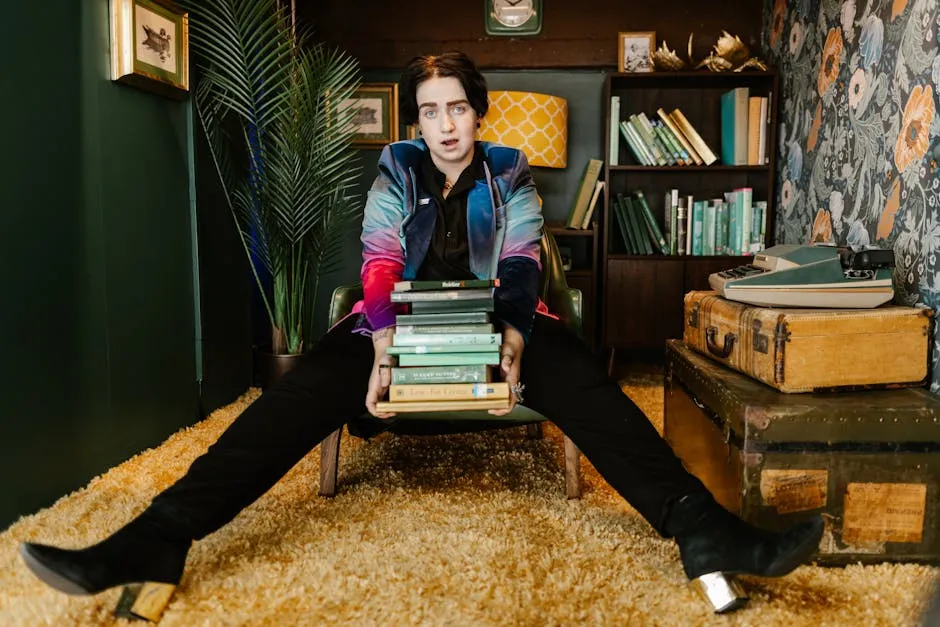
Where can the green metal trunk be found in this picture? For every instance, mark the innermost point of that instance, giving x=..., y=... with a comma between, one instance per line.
x=868, y=461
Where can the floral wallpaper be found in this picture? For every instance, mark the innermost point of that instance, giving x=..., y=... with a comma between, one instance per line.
x=857, y=160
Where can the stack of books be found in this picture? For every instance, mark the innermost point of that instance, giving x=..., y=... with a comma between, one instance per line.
x=446, y=348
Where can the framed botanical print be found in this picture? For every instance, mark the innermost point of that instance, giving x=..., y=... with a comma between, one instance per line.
x=633, y=50
x=150, y=45
x=376, y=115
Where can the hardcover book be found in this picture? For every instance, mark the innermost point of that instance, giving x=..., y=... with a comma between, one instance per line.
x=423, y=286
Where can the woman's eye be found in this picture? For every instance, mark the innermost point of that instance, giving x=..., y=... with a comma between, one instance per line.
x=459, y=109
x=429, y=113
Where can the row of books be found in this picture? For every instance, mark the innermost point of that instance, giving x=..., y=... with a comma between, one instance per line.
x=732, y=224
x=445, y=347
x=659, y=140
x=745, y=129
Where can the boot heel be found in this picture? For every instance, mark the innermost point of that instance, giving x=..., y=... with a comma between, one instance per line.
x=144, y=601
x=722, y=592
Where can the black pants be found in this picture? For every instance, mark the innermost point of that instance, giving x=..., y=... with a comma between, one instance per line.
x=328, y=388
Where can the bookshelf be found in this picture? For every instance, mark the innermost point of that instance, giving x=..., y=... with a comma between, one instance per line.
x=641, y=296
x=582, y=245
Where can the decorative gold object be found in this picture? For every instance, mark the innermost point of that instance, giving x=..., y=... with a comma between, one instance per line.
x=664, y=59
x=728, y=53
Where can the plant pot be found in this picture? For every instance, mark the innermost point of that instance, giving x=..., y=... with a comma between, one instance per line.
x=269, y=367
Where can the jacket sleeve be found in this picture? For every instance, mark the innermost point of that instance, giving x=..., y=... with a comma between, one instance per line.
x=518, y=270
x=382, y=255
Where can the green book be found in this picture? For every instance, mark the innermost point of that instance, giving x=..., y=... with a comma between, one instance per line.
x=439, y=348
x=656, y=233
x=441, y=374
x=448, y=359
x=458, y=317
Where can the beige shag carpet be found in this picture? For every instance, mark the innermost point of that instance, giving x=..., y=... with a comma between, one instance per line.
x=436, y=530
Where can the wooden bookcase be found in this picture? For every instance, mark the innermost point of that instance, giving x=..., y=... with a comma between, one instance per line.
x=641, y=299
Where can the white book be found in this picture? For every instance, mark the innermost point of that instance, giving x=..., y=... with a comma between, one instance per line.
x=614, y=156
x=762, y=137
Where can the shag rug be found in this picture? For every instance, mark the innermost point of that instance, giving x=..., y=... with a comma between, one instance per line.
x=431, y=530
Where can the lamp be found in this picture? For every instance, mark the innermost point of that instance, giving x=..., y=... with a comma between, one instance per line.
x=536, y=124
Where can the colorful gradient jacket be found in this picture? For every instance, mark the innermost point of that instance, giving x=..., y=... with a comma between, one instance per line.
x=504, y=225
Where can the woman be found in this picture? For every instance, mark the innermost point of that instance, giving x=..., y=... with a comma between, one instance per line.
x=442, y=207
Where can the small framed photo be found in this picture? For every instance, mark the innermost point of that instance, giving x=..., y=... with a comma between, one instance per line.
x=150, y=45
x=634, y=50
x=376, y=116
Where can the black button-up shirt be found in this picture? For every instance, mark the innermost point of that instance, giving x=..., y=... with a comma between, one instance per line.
x=448, y=255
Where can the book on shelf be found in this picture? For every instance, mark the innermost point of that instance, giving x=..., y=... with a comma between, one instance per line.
x=734, y=110
x=582, y=197
x=449, y=391
x=753, y=130
x=636, y=224
x=670, y=123
x=656, y=234
x=634, y=144
x=448, y=405
x=598, y=190
x=424, y=286
x=762, y=155
x=613, y=158
x=695, y=140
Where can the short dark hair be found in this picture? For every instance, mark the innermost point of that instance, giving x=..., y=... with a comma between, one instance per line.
x=449, y=64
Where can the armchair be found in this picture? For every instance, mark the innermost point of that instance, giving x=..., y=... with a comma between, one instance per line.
x=562, y=300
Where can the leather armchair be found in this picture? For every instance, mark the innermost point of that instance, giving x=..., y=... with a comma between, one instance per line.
x=563, y=301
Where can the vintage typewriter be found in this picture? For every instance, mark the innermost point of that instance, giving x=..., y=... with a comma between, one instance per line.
x=810, y=276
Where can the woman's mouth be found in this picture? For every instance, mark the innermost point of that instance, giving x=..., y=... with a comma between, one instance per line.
x=449, y=143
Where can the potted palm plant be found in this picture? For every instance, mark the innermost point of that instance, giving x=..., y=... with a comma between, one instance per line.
x=269, y=100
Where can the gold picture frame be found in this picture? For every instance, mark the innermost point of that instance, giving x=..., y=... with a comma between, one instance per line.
x=150, y=45
x=633, y=51
x=376, y=120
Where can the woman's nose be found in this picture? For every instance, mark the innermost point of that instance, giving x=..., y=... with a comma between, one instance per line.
x=447, y=122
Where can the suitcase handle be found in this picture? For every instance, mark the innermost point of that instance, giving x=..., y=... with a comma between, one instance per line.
x=711, y=334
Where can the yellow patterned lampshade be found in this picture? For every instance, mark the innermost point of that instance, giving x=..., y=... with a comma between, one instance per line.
x=537, y=124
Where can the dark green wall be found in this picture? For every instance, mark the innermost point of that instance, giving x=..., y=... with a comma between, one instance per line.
x=97, y=264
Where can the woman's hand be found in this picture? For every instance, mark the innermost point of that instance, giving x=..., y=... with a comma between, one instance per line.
x=510, y=365
x=381, y=376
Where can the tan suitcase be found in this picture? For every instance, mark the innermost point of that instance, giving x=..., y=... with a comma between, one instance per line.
x=806, y=350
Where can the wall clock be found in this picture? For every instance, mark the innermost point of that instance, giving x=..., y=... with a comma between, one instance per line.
x=513, y=18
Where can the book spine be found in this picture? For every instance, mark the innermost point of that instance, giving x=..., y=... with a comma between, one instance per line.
x=452, y=306
x=423, y=286
x=412, y=329
x=632, y=144
x=449, y=359
x=683, y=124
x=654, y=226
x=441, y=374
x=671, y=125
x=437, y=295
x=438, y=348
x=448, y=391
x=449, y=405
x=583, y=198
x=614, y=157
x=429, y=339
x=443, y=318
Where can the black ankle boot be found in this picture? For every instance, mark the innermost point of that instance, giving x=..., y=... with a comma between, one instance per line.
x=715, y=545
x=143, y=553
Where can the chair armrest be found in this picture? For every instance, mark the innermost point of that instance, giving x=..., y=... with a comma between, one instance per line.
x=342, y=301
x=566, y=302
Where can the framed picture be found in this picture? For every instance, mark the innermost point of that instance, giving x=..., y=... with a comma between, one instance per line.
x=150, y=45
x=634, y=51
x=376, y=116
x=411, y=132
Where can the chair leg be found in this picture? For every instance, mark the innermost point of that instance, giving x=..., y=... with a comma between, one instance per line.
x=572, y=469
x=329, y=462
x=533, y=431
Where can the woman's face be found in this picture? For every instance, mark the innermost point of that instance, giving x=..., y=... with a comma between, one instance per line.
x=448, y=123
